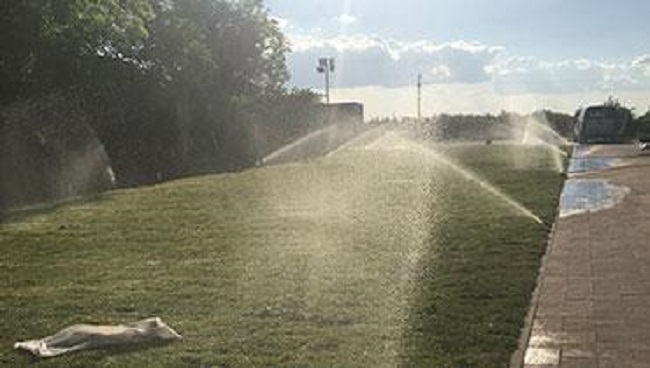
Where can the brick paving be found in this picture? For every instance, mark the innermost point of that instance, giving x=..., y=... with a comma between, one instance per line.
x=592, y=304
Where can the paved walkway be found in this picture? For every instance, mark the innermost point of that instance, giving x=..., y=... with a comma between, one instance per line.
x=592, y=304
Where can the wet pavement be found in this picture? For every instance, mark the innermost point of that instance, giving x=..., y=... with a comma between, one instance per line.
x=588, y=164
x=592, y=304
x=588, y=195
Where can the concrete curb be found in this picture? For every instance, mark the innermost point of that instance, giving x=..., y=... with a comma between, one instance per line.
x=518, y=356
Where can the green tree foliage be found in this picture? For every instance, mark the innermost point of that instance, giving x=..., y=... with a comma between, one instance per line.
x=49, y=44
x=217, y=62
x=171, y=87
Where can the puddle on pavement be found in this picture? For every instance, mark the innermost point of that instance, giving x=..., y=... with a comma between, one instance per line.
x=586, y=158
x=582, y=196
x=586, y=164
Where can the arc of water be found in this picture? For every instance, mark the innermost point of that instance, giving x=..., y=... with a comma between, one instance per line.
x=364, y=137
x=547, y=129
x=556, y=152
x=297, y=142
x=468, y=175
x=486, y=186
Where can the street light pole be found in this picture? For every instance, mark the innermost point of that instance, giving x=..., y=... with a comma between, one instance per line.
x=419, y=97
x=326, y=66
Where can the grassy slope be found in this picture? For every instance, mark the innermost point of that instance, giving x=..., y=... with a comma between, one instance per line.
x=364, y=258
x=476, y=287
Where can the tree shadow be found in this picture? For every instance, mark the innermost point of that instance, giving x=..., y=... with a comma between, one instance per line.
x=23, y=213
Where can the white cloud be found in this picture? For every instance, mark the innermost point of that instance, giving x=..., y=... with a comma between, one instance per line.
x=641, y=60
x=440, y=71
x=642, y=65
x=583, y=64
x=460, y=76
x=513, y=75
x=372, y=60
x=345, y=19
x=477, y=98
x=306, y=43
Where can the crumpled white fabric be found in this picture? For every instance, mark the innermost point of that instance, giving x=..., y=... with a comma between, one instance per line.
x=85, y=337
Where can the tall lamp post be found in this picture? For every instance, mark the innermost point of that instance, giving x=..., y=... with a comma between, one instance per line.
x=419, y=97
x=326, y=66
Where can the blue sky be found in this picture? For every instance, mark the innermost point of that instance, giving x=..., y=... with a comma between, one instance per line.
x=540, y=51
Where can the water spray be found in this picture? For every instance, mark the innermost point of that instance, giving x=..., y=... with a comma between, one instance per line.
x=413, y=146
x=530, y=137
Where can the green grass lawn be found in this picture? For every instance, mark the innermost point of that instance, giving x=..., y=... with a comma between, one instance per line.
x=370, y=257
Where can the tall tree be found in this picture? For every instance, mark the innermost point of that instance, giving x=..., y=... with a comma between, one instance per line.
x=171, y=87
x=47, y=44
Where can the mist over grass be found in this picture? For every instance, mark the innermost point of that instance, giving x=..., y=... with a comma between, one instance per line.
x=475, y=289
x=368, y=257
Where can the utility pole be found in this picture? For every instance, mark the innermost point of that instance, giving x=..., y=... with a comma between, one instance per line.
x=419, y=96
x=326, y=67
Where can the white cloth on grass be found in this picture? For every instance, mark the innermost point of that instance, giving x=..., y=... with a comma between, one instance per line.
x=85, y=337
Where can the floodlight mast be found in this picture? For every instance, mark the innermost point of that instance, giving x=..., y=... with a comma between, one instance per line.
x=326, y=66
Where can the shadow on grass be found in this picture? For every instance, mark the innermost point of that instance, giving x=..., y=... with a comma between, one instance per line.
x=23, y=213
